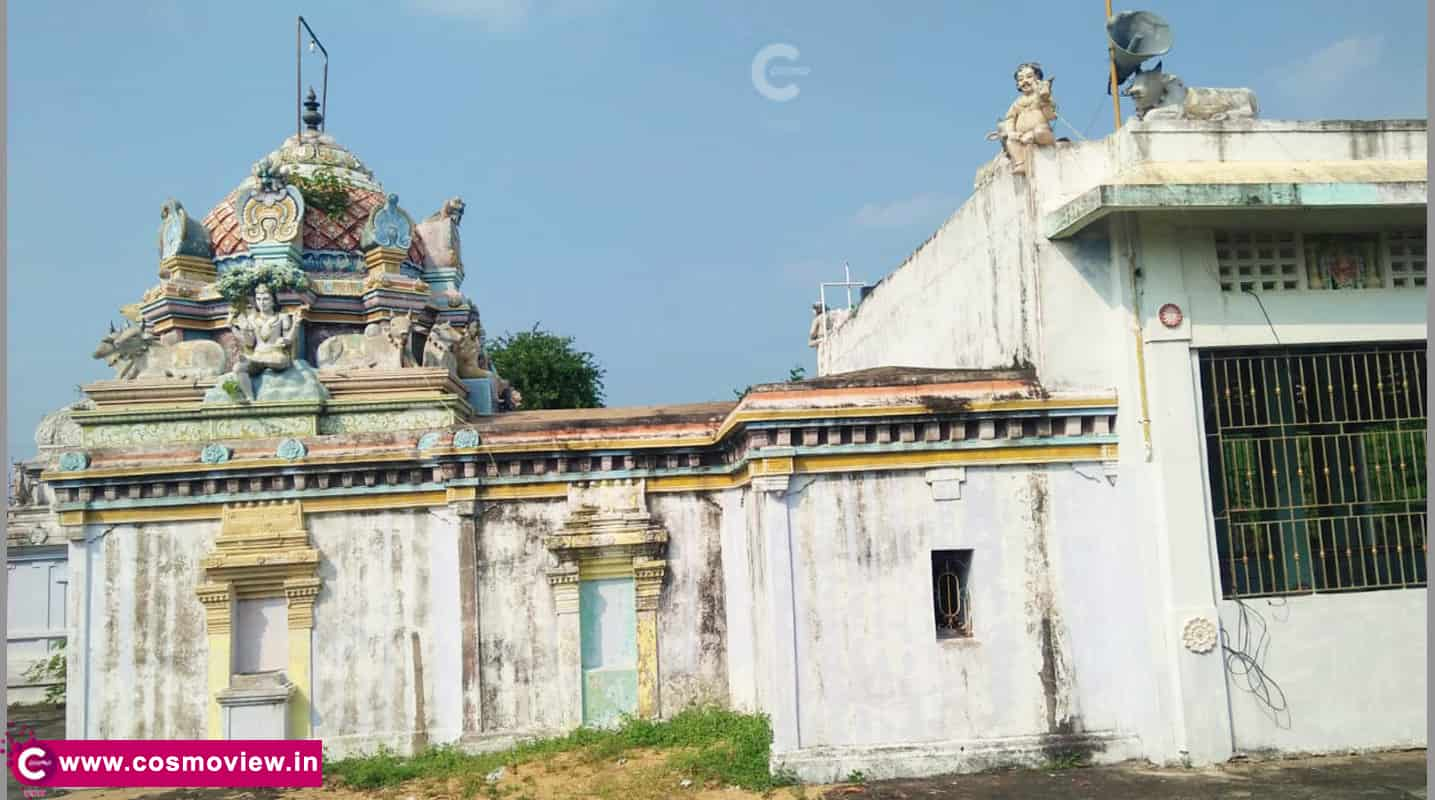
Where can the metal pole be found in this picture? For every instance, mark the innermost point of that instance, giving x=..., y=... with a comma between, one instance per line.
x=299, y=80
x=847, y=277
x=299, y=55
x=1115, y=95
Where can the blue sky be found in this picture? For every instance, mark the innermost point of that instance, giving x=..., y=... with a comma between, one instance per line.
x=626, y=183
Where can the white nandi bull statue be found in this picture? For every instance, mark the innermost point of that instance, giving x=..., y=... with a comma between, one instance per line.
x=381, y=346
x=136, y=353
x=1160, y=95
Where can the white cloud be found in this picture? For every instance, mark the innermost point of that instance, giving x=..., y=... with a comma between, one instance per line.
x=509, y=16
x=1330, y=68
x=927, y=207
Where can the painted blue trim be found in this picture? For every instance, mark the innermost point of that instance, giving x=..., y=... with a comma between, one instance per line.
x=554, y=477
x=244, y=497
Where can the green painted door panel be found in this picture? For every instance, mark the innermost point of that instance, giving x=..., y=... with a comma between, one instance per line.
x=609, y=628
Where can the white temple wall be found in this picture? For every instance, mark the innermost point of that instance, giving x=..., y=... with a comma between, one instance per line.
x=518, y=624
x=138, y=656
x=387, y=667
x=988, y=289
x=692, y=609
x=1053, y=663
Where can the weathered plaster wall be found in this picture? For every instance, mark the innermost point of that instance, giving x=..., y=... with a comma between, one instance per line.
x=147, y=675
x=1054, y=624
x=744, y=600
x=988, y=288
x=1341, y=672
x=692, y=611
x=390, y=580
x=518, y=626
x=1174, y=510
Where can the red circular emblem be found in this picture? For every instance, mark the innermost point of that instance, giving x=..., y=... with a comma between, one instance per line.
x=1170, y=315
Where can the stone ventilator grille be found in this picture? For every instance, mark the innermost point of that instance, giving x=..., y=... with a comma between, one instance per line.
x=1257, y=261
x=1285, y=261
x=1405, y=254
x=1317, y=467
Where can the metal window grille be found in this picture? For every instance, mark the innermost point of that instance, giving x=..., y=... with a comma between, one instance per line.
x=1405, y=255
x=951, y=595
x=1259, y=261
x=1317, y=466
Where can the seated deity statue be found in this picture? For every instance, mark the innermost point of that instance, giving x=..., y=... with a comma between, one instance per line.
x=266, y=340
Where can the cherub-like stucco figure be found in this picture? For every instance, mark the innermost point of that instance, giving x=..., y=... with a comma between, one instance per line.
x=1028, y=121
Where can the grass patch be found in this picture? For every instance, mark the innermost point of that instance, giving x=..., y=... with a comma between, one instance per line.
x=708, y=744
x=1067, y=760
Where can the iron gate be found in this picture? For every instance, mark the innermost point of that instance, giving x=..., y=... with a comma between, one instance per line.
x=1317, y=467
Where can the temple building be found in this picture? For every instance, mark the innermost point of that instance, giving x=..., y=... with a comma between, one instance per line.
x=1126, y=461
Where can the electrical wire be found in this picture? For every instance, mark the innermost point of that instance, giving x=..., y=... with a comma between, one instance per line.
x=1243, y=663
x=1263, y=313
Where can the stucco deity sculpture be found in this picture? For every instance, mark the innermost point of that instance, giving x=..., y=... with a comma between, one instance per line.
x=824, y=321
x=1028, y=122
x=440, y=234
x=22, y=490
x=1163, y=95
x=266, y=338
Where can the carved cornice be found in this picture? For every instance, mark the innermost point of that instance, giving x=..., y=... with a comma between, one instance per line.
x=263, y=551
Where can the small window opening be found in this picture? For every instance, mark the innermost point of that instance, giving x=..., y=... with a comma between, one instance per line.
x=951, y=594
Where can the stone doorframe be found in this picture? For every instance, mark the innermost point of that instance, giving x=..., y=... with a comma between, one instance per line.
x=263, y=551
x=608, y=534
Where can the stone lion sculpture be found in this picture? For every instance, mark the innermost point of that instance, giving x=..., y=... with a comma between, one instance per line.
x=1162, y=95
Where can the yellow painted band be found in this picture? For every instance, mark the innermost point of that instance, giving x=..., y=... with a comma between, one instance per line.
x=598, y=568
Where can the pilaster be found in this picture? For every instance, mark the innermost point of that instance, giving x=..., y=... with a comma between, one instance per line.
x=563, y=580
x=218, y=600
x=770, y=492
x=648, y=583
x=300, y=594
x=471, y=638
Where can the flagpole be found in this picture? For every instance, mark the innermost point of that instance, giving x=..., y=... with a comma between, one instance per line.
x=1115, y=94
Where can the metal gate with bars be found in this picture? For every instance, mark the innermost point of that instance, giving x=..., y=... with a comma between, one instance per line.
x=1317, y=467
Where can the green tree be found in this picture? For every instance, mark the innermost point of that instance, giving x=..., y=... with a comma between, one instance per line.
x=548, y=370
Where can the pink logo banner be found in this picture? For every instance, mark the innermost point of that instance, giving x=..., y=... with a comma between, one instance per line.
x=202, y=763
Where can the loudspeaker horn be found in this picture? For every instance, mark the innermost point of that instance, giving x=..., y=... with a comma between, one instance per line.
x=1136, y=36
